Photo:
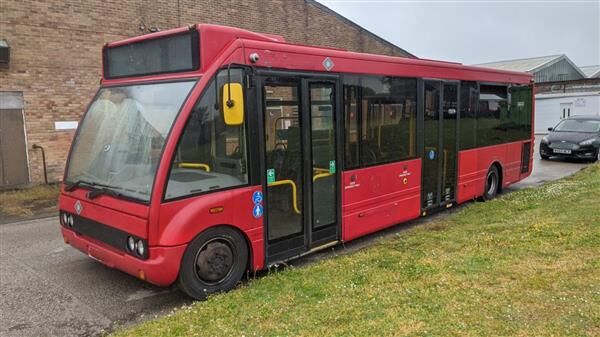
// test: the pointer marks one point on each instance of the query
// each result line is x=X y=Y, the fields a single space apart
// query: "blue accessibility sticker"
x=257 y=211
x=431 y=154
x=257 y=197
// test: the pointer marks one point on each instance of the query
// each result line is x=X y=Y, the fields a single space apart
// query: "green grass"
x=23 y=203
x=526 y=264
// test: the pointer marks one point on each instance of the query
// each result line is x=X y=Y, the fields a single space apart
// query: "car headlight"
x=588 y=142
x=545 y=139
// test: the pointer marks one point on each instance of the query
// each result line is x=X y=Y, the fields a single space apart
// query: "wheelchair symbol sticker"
x=431 y=154
x=257 y=197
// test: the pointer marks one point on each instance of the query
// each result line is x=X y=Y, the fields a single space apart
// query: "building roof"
x=526 y=65
x=530 y=65
x=591 y=71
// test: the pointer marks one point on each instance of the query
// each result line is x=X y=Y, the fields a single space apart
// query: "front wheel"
x=492 y=183
x=544 y=157
x=214 y=261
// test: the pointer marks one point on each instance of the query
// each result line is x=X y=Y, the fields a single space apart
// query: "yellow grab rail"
x=205 y=167
x=321 y=176
x=320 y=170
x=294 y=198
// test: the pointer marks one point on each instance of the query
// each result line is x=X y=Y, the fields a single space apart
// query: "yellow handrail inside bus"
x=294 y=198
x=321 y=176
x=205 y=167
x=320 y=170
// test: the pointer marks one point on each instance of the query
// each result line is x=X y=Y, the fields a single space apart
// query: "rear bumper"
x=161 y=268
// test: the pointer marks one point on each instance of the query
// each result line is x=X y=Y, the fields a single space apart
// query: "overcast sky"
x=482 y=31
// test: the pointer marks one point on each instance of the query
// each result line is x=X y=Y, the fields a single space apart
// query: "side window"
x=493 y=108
x=351 y=134
x=389 y=120
x=518 y=121
x=380 y=114
x=210 y=155
x=469 y=99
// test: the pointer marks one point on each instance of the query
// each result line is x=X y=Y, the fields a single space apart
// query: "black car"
x=574 y=137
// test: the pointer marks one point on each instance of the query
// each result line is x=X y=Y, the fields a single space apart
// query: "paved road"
x=50 y=289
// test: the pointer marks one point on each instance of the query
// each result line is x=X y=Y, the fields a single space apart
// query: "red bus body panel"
x=126 y=216
x=180 y=221
x=378 y=197
x=474 y=164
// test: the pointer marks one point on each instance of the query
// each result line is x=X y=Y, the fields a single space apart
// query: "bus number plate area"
x=380 y=196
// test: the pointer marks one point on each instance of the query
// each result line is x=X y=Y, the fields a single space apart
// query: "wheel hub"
x=214 y=262
x=491 y=182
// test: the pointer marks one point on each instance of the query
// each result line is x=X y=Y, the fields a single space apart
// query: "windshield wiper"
x=72 y=186
x=96 y=192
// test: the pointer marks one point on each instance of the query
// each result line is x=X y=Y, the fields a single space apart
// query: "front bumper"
x=580 y=152
x=161 y=268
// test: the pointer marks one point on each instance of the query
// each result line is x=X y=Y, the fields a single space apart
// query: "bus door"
x=300 y=163
x=440 y=144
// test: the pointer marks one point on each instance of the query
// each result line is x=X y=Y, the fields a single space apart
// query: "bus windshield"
x=120 y=140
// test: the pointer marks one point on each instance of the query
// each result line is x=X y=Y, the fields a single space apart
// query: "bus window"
x=518 y=121
x=351 y=126
x=493 y=104
x=388 y=119
x=469 y=98
x=211 y=155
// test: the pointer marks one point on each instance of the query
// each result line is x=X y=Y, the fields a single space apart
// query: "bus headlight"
x=131 y=243
x=139 y=247
x=70 y=220
x=65 y=219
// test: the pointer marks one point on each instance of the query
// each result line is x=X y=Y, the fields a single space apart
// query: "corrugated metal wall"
x=559 y=71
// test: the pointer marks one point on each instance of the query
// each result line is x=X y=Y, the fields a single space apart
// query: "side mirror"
x=233 y=104
x=550 y=129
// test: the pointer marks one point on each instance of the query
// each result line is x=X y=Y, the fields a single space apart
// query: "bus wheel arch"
x=214 y=261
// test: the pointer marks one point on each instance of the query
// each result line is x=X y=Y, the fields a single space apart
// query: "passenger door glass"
x=431 y=153
x=323 y=154
x=283 y=160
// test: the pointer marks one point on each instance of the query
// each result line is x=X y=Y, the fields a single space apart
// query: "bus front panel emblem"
x=78 y=207
x=328 y=64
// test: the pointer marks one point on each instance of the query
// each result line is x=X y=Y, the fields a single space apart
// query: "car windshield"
x=578 y=125
x=120 y=140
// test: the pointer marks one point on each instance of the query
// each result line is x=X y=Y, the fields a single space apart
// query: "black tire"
x=544 y=157
x=492 y=183
x=593 y=160
x=215 y=261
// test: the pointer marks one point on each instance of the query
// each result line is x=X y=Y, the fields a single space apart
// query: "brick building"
x=55 y=60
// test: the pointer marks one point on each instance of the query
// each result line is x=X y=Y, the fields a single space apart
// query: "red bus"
x=211 y=151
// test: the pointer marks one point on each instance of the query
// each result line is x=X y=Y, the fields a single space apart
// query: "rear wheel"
x=544 y=157
x=214 y=261
x=492 y=183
